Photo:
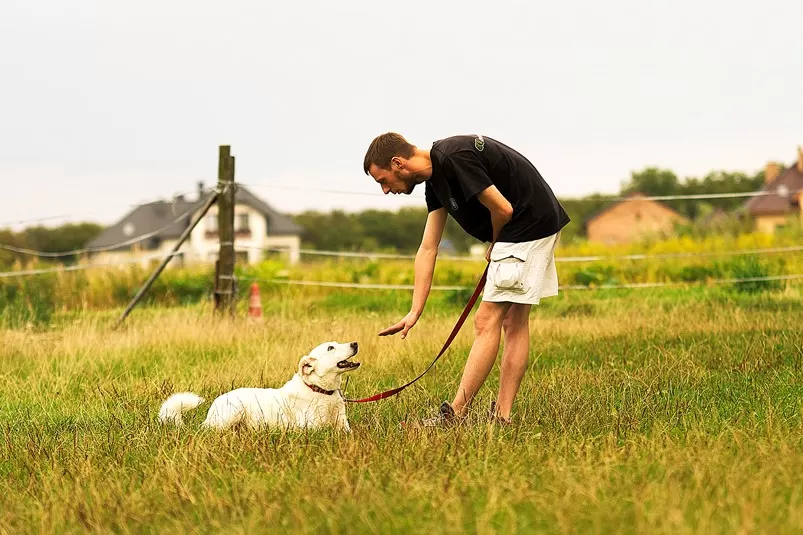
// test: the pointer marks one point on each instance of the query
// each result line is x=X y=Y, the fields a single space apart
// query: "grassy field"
x=660 y=411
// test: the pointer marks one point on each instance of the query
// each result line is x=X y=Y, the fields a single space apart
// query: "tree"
x=336 y=230
x=7 y=258
x=580 y=211
x=653 y=181
x=50 y=240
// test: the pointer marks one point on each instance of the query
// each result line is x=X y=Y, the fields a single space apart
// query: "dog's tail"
x=175 y=405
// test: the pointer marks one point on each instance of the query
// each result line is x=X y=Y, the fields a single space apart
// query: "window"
x=241 y=223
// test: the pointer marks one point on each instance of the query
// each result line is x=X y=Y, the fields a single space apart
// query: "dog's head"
x=324 y=364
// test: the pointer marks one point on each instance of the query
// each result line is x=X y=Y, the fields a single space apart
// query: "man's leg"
x=487 y=332
x=514 y=357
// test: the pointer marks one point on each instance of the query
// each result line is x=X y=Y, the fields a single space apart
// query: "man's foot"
x=445 y=417
x=495 y=418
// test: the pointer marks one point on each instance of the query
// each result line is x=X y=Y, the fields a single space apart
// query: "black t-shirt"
x=463 y=166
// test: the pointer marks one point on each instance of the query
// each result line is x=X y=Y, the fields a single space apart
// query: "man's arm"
x=425 y=258
x=424 y=268
x=501 y=211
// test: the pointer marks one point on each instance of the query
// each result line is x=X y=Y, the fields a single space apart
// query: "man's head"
x=396 y=165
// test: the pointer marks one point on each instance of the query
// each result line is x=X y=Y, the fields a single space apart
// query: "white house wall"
x=125 y=259
x=290 y=245
x=254 y=245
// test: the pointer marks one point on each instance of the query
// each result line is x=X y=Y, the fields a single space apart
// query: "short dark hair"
x=383 y=148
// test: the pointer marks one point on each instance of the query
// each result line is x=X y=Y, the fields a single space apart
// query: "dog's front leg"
x=342 y=420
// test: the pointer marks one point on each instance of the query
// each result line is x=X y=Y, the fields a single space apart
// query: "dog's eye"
x=330 y=348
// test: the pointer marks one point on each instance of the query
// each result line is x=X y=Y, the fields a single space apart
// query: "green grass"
x=660 y=411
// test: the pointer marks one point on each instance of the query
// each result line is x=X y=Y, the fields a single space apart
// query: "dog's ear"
x=306 y=366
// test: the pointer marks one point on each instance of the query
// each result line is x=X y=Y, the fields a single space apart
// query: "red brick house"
x=632 y=219
x=783 y=202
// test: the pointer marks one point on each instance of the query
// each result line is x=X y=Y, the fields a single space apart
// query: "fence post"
x=226 y=298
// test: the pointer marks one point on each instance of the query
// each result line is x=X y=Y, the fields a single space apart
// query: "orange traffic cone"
x=255 y=303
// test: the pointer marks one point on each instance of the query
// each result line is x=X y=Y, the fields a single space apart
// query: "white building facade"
x=149 y=232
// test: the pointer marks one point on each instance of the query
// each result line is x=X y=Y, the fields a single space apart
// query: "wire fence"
x=82 y=267
x=639 y=285
x=591 y=258
x=146 y=257
x=376 y=286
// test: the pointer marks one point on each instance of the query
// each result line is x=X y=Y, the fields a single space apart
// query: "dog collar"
x=318 y=389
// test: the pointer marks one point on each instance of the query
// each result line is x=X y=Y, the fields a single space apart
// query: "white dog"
x=311 y=399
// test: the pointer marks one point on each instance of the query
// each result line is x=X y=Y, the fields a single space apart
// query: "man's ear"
x=306 y=366
x=396 y=163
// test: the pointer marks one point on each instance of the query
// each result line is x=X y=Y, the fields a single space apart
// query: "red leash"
x=455 y=330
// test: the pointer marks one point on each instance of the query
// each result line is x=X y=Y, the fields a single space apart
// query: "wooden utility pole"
x=225 y=284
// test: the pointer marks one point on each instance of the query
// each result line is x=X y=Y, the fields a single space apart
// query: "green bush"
x=596 y=275
x=751 y=267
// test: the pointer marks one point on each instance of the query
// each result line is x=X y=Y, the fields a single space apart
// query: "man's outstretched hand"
x=404 y=325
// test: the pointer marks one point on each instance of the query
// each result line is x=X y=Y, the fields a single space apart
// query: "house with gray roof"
x=782 y=202
x=151 y=230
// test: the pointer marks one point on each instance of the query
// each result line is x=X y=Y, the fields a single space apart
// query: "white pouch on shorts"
x=508 y=267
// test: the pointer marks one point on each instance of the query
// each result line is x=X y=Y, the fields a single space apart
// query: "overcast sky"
x=107 y=103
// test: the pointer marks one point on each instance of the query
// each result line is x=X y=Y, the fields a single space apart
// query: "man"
x=497 y=196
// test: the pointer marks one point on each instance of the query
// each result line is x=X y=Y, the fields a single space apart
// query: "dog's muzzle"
x=347 y=364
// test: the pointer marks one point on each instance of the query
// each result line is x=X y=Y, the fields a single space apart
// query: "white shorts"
x=522 y=272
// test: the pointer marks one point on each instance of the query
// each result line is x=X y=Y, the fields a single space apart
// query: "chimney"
x=771 y=172
x=800 y=160
x=200 y=190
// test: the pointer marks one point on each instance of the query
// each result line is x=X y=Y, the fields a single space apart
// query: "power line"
x=42 y=219
x=319 y=190
x=691 y=196
x=698 y=196
x=783 y=193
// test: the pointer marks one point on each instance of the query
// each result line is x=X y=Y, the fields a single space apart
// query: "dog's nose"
x=354 y=345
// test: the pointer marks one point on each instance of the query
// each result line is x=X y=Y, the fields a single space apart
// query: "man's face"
x=395 y=180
